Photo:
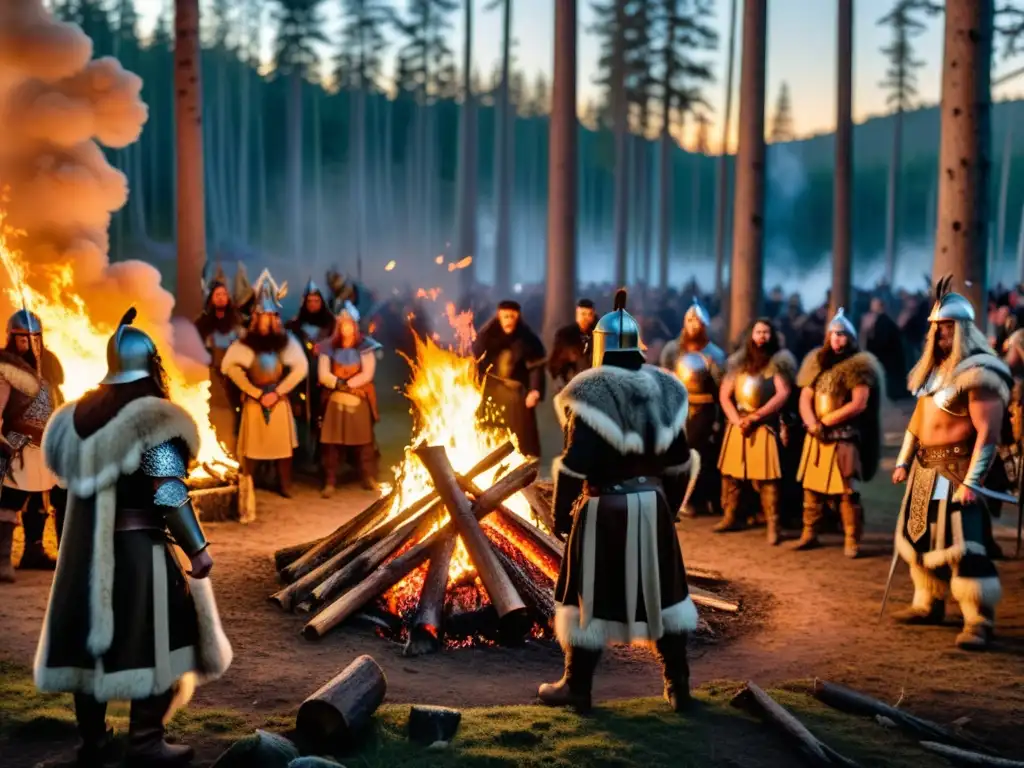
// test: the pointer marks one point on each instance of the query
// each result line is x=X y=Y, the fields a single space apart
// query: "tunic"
x=349 y=416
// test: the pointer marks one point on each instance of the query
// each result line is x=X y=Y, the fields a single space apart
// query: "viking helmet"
x=616 y=339
x=311 y=287
x=130 y=353
x=949 y=305
x=699 y=311
x=841 y=324
x=348 y=308
x=269 y=294
x=24 y=322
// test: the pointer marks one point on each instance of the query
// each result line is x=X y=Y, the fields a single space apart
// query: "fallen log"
x=701 y=574
x=287 y=555
x=818 y=753
x=294 y=595
x=397 y=569
x=336 y=713
x=540 y=539
x=540 y=506
x=856 y=703
x=509 y=605
x=703 y=597
x=960 y=756
x=426 y=632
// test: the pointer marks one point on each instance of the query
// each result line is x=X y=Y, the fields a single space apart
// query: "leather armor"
x=753 y=390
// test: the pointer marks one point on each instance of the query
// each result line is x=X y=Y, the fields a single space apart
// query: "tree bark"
x=962 y=232
x=1004 y=191
x=426 y=631
x=336 y=713
x=563 y=195
x=189 y=127
x=893 y=197
x=466 y=243
x=723 y=159
x=295 y=167
x=504 y=179
x=664 y=203
x=843 y=178
x=746 y=275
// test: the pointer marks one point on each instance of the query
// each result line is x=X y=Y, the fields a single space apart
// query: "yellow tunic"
x=754 y=457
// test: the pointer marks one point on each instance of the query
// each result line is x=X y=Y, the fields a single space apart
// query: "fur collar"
x=782 y=363
x=860 y=369
x=89 y=465
x=19 y=377
x=625 y=406
x=983 y=371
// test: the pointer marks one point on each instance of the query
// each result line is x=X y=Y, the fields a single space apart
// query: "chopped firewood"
x=430 y=725
x=959 y=756
x=540 y=503
x=753 y=698
x=856 y=703
x=336 y=714
x=288 y=555
x=702 y=574
x=543 y=541
x=703 y=597
x=427 y=632
x=539 y=598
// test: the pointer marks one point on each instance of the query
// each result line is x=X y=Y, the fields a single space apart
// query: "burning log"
x=508 y=603
x=541 y=540
x=287 y=555
x=540 y=600
x=339 y=710
x=959 y=756
x=541 y=505
x=703 y=597
x=816 y=751
x=426 y=631
x=217 y=504
x=397 y=569
x=856 y=703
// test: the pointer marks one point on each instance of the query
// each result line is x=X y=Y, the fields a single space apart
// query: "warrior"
x=840 y=396
x=313 y=324
x=30 y=380
x=266 y=365
x=625 y=469
x=570 y=352
x=948 y=461
x=757 y=384
x=124 y=621
x=700 y=365
x=512 y=359
x=219 y=327
x=345 y=369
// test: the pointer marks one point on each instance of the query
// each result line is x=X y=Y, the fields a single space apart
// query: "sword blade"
x=888 y=582
x=988 y=493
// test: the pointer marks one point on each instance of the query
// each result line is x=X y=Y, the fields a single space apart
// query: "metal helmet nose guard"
x=616 y=338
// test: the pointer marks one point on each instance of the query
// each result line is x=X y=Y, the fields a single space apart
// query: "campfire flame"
x=81 y=345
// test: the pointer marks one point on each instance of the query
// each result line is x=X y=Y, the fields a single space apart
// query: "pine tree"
x=782 y=122
x=359 y=61
x=1010 y=28
x=540 y=99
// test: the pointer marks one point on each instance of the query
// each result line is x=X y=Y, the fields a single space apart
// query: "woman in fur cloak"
x=124 y=621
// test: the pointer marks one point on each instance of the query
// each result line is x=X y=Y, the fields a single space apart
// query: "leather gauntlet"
x=981 y=462
x=907 y=451
x=173 y=500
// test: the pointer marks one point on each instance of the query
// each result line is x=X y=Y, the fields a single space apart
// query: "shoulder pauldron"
x=164 y=460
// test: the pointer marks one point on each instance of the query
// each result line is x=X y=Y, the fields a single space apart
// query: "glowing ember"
x=81 y=344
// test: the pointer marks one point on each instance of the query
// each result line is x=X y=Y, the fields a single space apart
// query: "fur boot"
x=574 y=689
x=676 y=670
x=853 y=523
x=813 y=515
x=731 y=491
x=6 y=540
x=770 y=496
x=929 y=606
x=977 y=599
x=146 y=745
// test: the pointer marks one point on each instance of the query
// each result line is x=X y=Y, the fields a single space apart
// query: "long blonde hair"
x=967 y=340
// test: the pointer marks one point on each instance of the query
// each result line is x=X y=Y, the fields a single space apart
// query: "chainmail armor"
x=173 y=493
x=164 y=460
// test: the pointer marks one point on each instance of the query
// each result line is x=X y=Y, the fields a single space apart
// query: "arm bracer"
x=907 y=451
x=166 y=465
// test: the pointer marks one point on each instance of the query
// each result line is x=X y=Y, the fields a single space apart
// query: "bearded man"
x=627 y=466
x=30 y=380
x=840 y=396
x=949 y=462
x=757 y=384
x=266 y=365
x=570 y=352
x=124 y=621
x=313 y=324
x=700 y=365
x=219 y=327
x=512 y=360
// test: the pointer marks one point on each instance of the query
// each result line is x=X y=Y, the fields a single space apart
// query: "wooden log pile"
x=215 y=495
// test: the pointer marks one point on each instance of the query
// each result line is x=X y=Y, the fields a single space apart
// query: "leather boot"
x=33 y=521
x=284 y=477
x=770 y=494
x=98 y=745
x=731 y=489
x=573 y=690
x=330 y=464
x=366 y=457
x=813 y=504
x=853 y=523
x=146 y=745
x=6 y=540
x=676 y=670
x=977 y=634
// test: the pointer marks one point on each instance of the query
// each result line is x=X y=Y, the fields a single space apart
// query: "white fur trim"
x=559 y=468
x=976 y=593
x=677 y=619
x=927 y=588
x=20 y=379
x=621 y=440
x=693 y=467
x=952 y=555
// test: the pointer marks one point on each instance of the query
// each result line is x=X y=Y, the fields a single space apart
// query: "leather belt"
x=702 y=398
x=634 y=485
x=941 y=454
x=138 y=520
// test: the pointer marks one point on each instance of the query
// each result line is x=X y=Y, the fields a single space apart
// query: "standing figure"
x=840 y=404
x=570 y=352
x=219 y=327
x=124 y=621
x=700 y=365
x=948 y=461
x=758 y=381
x=266 y=365
x=29 y=393
x=345 y=369
x=512 y=360
x=312 y=325
x=625 y=470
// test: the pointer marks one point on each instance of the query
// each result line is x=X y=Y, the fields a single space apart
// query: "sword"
x=888 y=582
x=988 y=493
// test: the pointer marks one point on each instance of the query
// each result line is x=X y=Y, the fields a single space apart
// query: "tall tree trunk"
x=261 y=172
x=562 y=176
x=746 y=275
x=504 y=177
x=646 y=235
x=466 y=238
x=664 y=201
x=695 y=205
x=962 y=231
x=843 y=178
x=223 y=151
x=1004 y=191
x=620 y=117
x=318 y=181
x=244 y=120
x=189 y=131
x=295 y=166
x=1020 y=248
x=722 y=181
x=893 y=197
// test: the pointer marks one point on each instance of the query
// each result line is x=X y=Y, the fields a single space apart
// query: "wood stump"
x=335 y=714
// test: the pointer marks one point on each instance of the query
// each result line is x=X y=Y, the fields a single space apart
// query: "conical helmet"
x=949 y=305
x=311 y=287
x=130 y=353
x=268 y=294
x=841 y=324
x=24 y=322
x=699 y=312
x=616 y=339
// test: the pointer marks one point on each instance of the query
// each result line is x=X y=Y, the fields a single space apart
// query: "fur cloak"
x=861 y=369
x=90 y=470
